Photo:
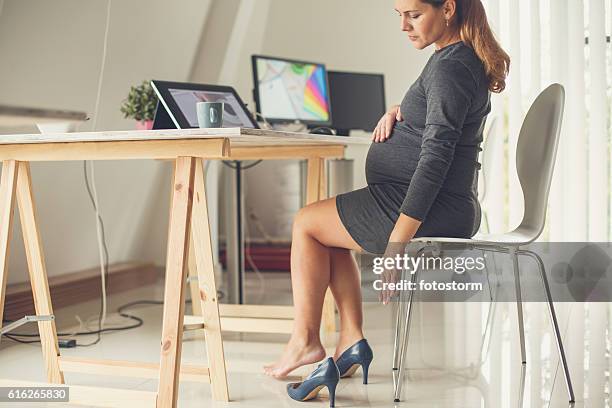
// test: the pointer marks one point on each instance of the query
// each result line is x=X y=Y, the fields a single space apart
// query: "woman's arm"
x=404 y=231
x=450 y=90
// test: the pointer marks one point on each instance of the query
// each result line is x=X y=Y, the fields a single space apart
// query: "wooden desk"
x=188 y=239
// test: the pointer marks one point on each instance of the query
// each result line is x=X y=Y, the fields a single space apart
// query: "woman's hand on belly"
x=385 y=124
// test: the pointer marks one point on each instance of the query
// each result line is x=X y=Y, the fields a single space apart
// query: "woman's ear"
x=450 y=7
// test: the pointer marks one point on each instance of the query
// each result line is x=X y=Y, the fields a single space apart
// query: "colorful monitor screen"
x=288 y=90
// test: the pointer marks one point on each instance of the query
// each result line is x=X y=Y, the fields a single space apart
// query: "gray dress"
x=428 y=168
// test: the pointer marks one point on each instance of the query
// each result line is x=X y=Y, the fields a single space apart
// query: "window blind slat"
x=558 y=74
x=575 y=162
x=598 y=146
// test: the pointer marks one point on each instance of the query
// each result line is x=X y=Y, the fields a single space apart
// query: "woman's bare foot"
x=294 y=356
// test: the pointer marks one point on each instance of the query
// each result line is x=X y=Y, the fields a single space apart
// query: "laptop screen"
x=233 y=114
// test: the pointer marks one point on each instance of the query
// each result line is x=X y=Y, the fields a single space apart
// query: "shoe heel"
x=365 y=368
x=331 y=387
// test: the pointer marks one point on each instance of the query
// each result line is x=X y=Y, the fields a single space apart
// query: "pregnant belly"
x=391 y=163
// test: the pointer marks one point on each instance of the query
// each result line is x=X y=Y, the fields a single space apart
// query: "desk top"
x=236 y=137
x=225 y=144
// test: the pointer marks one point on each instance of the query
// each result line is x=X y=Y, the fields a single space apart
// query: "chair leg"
x=398 y=331
x=398 y=375
x=519 y=303
x=555 y=323
x=397 y=340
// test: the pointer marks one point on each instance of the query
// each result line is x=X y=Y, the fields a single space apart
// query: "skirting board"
x=76 y=287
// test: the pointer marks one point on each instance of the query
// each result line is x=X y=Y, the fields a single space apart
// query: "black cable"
x=139 y=322
x=10 y=337
x=248 y=166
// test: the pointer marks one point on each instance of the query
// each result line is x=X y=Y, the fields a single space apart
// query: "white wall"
x=50 y=57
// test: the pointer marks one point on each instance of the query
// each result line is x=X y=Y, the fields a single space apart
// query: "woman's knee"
x=303 y=220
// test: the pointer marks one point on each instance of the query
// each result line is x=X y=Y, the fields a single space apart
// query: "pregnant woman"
x=422 y=174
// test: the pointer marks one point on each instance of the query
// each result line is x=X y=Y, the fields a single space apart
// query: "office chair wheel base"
x=396 y=400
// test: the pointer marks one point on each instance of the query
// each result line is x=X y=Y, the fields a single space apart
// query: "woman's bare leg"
x=345 y=285
x=316 y=230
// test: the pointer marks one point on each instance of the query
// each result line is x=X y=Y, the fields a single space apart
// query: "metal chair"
x=535 y=158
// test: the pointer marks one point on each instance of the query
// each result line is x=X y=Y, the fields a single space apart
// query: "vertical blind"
x=562 y=41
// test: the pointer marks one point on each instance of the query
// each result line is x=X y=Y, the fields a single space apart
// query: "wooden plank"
x=294 y=151
x=260 y=136
x=152 y=149
x=256 y=311
x=129 y=369
x=117 y=136
x=200 y=232
x=251 y=325
x=96 y=396
x=38 y=273
x=8 y=183
x=349 y=140
x=174 y=294
x=243 y=324
x=313 y=178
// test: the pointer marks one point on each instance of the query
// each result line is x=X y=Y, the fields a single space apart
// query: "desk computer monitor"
x=288 y=90
x=357 y=100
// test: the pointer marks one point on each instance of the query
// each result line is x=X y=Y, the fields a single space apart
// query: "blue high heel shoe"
x=359 y=354
x=325 y=375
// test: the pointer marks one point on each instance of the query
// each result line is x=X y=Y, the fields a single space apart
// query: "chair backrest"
x=535 y=156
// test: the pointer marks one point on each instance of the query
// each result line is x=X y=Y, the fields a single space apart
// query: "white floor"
x=444 y=367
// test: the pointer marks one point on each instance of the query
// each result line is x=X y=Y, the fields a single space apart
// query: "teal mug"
x=210 y=114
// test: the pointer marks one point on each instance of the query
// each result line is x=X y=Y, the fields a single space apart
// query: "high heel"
x=325 y=375
x=359 y=354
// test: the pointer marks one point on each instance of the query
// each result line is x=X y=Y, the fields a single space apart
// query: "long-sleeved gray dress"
x=428 y=168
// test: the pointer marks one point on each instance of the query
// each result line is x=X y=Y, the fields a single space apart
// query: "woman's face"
x=424 y=23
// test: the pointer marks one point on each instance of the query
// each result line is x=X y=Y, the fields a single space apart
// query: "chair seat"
x=516 y=238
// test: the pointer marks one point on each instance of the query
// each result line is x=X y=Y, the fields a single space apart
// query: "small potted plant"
x=140 y=105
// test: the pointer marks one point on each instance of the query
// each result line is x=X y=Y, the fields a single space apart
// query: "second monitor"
x=357 y=100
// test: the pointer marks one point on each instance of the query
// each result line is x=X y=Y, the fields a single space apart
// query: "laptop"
x=176 y=106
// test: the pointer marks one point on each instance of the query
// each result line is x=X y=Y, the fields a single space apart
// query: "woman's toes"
x=278 y=374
